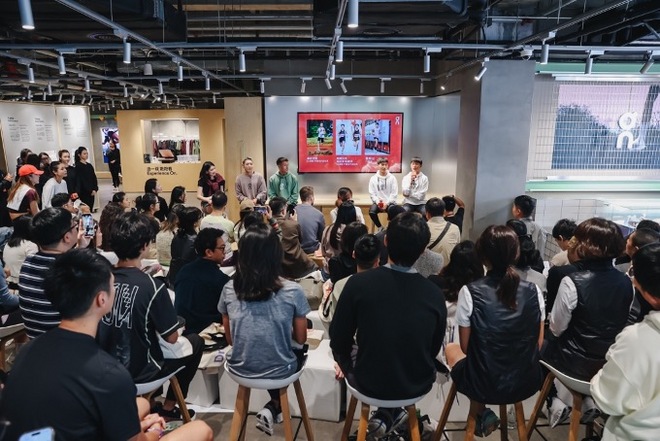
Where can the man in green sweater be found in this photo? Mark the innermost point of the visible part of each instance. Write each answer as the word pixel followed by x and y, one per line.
pixel 284 184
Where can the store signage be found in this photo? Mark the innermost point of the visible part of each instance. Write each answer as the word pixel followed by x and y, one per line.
pixel 160 170
pixel 627 123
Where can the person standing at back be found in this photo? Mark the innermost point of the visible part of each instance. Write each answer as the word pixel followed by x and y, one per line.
pixel 523 209
pixel 284 184
pixel 56 184
pixel 86 183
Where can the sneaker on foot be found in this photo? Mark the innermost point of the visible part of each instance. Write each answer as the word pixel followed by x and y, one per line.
pixel 379 424
pixel 169 415
pixel 399 419
pixel 559 412
pixel 267 417
pixel 511 423
pixel 589 411
pixel 487 423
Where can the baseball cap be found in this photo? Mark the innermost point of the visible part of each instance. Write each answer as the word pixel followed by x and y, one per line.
pixel 28 169
pixel 247 205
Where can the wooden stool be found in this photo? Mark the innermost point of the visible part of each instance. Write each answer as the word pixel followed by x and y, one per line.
pixel 8 333
pixel 146 390
pixel 576 387
pixel 472 419
pixel 243 403
pixel 366 401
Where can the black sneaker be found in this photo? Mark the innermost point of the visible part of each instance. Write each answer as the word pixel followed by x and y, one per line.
pixel 169 415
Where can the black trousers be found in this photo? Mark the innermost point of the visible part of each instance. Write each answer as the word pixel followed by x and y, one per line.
pixel 114 172
pixel 190 362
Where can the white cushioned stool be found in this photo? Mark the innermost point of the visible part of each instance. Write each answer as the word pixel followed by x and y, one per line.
pixel 243 402
pixel 147 389
pixel 408 404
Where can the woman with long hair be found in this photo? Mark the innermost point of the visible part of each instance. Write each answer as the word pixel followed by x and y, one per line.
pixel 263 348
pixel 153 186
pixel 530 264
pixel 500 319
pixel 344 264
pixel 120 198
pixel 209 182
pixel 177 197
pixel 23 198
pixel 345 194
pixel 108 217
pixel 114 160
pixel 164 239
pixel 86 182
pixel 332 233
pixel 149 204
pixel 20 246
pixel 183 249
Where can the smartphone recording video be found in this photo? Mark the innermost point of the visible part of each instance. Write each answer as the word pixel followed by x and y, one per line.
pixel 261 209
pixel 88 225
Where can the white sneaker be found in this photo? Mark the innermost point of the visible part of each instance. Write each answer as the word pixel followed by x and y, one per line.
pixel 511 422
pixel 559 412
pixel 267 419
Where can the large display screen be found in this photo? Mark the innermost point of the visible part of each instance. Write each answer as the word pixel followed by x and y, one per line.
pixel 349 142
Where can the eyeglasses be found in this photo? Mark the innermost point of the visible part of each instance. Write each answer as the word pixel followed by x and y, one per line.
pixel 630 273
pixel 222 248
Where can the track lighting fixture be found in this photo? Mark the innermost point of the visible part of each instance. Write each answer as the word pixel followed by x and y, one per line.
pixel 262 87
pixel 160 88
pixel 588 65
pixel 339 52
pixel 353 13
pixel 328 84
pixel 43 97
pixel 30 72
pixel 303 86
pixel 73 99
pixel 649 62
pixel 343 86
pixel 545 53
pixel 483 70
pixel 427 62
pixel 61 65
pixel 148 69
pixel 84 98
pixel 421 87
pixel 25 10
pixel 127 51
pixel 207 83
pixel 382 84
pixel 333 70
pixel 178 101
pixel 87 85
pixel 29 94
pixel 179 70
pixel 241 61
pixel 59 98
pixel 49 88
pixel 125 91
pixel 130 100
pixel 214 101
pixel 91 99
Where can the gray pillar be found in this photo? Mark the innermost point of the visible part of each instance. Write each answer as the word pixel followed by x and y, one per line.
pixel 493 142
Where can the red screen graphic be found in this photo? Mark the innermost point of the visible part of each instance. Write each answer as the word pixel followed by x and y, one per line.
pixel 348 142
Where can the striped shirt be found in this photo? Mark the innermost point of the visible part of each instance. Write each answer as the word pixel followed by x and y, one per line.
pixel 38 313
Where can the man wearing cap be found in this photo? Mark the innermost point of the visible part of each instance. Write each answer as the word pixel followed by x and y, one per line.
pixel 250 184
pixel 23 198
pixel 383 190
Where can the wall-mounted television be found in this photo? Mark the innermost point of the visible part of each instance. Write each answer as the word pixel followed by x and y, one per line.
pixel 348 142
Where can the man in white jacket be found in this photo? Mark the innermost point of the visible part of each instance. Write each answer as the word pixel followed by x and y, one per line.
pixel 627 388
pixel 415 185
pixel 383 190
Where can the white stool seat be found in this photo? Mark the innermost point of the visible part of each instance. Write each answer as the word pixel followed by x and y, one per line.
pixel 381 403
pixel 578 386
pixel 11 329
pixel 145 388
pixel 262 383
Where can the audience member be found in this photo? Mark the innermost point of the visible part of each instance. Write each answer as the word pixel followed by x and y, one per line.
pixel 250 184
pixel 562 232
pixel 332 233
pixel 626 388
pixel 177 198
pixel 246 207
pixel 523 209
pixel 23 198
pixel 6 180
pixel 21 160
pixel 444 235
pixel 311 221
pixel 636 240
pixel 63 200
pixel 84 394
pixel 20 246
pixel 649 224
pixel 396 347
pixel 530 258
pixel 120 198
pixel 296 263
pixel 183 243
pixel 393 212
pixel 210 181
pixel 264 348
pixel 284 184
pixel 217 219
pixel 415 185
pixel 345 194
pixel 343 264
pixel 109 214
pixel 86 183
pixel 198 284
pixel 143 315
pixel 55 232
pixel 165 237
pixel 149 204
pixel 456 217
pixel 383 191
pixel 591 308
pixel 56 184
pixel 152 186
pixel 366 253
pixel 501 321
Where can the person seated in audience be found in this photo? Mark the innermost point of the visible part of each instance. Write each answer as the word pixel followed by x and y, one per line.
pixel 218 219
pixel 311 221
pixel 455 217
pixel 143 316
pixel 393 212
pixel 165 237
pixel 626 388
pixel 649 224
pixel 177 197
pixel 591 308
pixel 63 200
pixel 523 209
pixel 530 258
pixel 246 207
pixel 366 253
pixel 198 284
pixel 464 267
pixel 23 197
pixel 264 348
pixel 345 194
pixel 562 232
pixel 85 394
pixel 396 346
pixel 108 216
pixel 332 233
pixel 636 240
pixel 120 198
pixel 183 243
pixel 55 184
pixel 344 264
pixel 500 324
pixel 19 246
pixel 296 263
pixel 149 204
pixel 151 186
pixel 444 235
pixel 55 231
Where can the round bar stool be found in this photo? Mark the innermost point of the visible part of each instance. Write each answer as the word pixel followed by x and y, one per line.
pixel 8 333
pixel 146 390
pixel 576 387
pixel 408 404
pixel 472 418
pixel 243 403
